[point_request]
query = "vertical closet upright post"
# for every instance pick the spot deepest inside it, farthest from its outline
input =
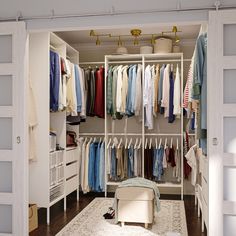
(143, 59)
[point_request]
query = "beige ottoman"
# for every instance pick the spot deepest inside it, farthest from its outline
(135, 204)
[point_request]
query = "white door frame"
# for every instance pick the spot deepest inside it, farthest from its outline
(17, 154)
(219, 160)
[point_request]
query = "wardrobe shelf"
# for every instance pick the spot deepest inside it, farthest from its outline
(167, 134)
(70, 148)
(55, 185)
(56, 200)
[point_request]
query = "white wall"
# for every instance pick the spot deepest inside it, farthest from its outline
(35, 8)
(108, 11)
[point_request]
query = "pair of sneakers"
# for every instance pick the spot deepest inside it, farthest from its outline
(110, 213)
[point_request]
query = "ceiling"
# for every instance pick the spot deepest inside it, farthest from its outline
(83, 36)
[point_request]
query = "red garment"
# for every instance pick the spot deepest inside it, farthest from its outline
(99, 93)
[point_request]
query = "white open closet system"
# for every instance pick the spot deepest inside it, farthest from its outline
(144, 60)
(113, 128)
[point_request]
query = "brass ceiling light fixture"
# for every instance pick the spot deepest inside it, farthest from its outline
(173, 31)
(136, 34)
(98, 42)
(92, 33)
(119, 43)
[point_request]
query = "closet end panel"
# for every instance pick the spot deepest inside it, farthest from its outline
(39, 78)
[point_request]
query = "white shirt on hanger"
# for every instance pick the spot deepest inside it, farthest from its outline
(71, 92)
(192, 161)
(147, 97)
(166, 90)
(177, 102)
(119, 89)
(124, 89)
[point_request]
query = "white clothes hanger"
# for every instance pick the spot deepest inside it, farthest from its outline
(146, 143)
(177, 144)
(108, 143)
(130, 142)
(140, 143)
(156, 142)
(136, 143)
(126, 143)
(113, 145)
(94, 140)
(150, 143)
(100, 140)
(120, 143)
(85, 139)
(160, 143)
(171, 142)
(165, 143)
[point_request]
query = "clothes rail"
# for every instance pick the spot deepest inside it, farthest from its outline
(123, 62)
(92, 63)
(91, 134)
(163, 134)
(52, 47)
(121, 134)
(167, 60)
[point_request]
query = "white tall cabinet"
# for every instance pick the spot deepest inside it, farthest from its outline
(53, 175)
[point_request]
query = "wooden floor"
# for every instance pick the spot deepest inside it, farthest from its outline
(59, 218)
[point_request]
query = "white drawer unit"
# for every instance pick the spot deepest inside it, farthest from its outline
(72, 184)
(56, 158)
(53, 159)
(60, 158)
(71, 155)
(60, 173)
(56, 192)
(53, 176)
(71, 170)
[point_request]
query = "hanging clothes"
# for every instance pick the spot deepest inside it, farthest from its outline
(160, 89)
(171, 116)
(158, 163)
(177, 168)
(54, 80)
(124, 89)
(166, 90)
(147, 98)
(138, 94)
(109, 98)
(99, 93)
(177, 94)
(148, 163)
(155, 74)
(92, 167)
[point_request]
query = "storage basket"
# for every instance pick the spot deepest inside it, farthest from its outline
(163, 45)
(146, 50)
(52, 141)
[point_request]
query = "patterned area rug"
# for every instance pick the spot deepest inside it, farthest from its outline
(90, 221)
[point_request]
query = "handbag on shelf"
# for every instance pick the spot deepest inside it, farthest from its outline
(71, 140)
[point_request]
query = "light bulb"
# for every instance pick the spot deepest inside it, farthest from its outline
(136, 42)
